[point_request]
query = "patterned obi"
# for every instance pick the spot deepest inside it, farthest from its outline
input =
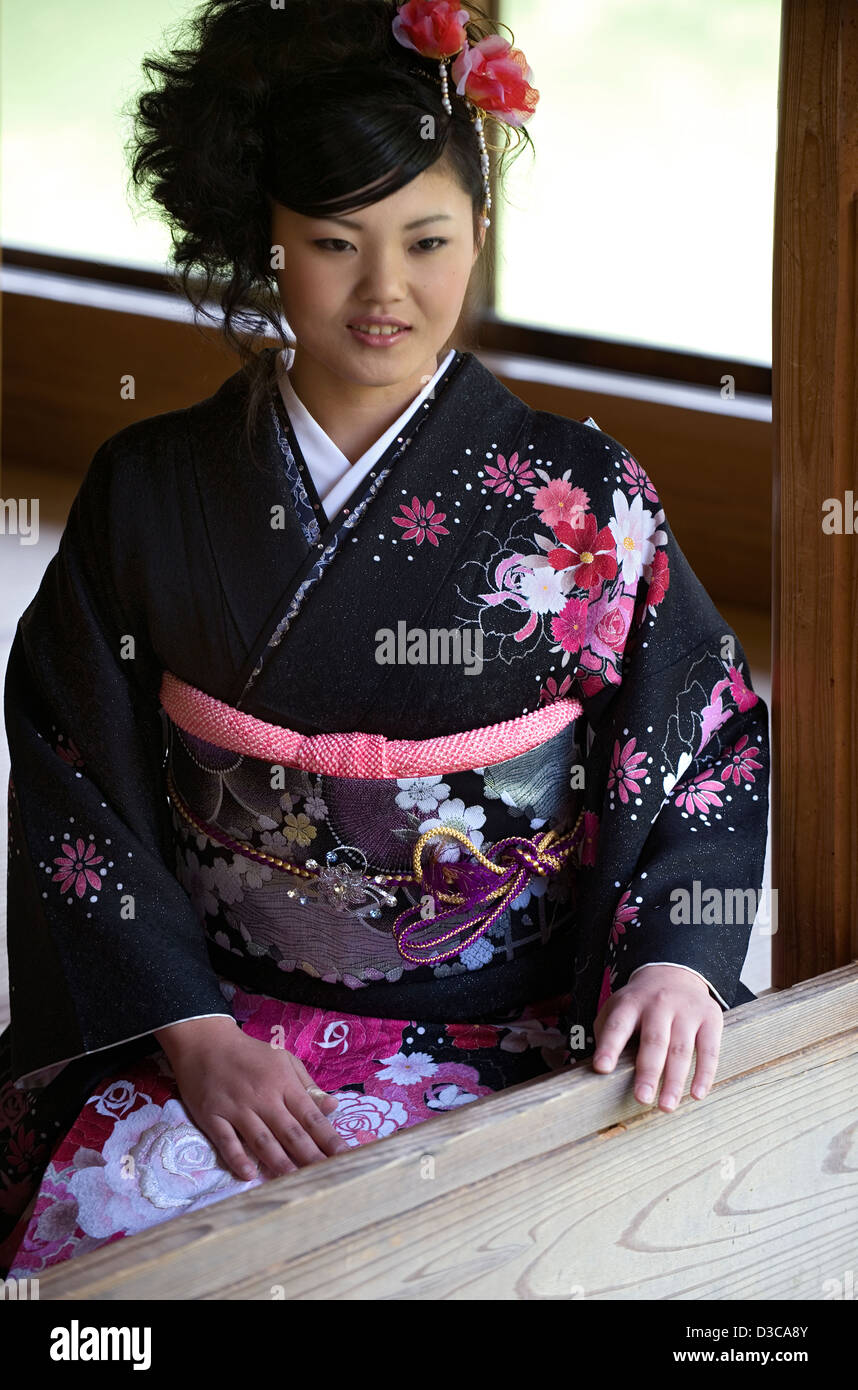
(430, 877)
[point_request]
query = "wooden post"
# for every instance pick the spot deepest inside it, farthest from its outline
(815, 569)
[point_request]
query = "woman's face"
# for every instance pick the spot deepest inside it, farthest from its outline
(339, 272)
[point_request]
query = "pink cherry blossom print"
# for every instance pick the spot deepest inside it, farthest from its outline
(560, 503)
(75, 868)
(509, 474)
(421, 522)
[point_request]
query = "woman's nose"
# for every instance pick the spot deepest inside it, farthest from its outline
(383, 279)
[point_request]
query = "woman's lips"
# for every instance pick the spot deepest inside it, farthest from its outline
(378, 339)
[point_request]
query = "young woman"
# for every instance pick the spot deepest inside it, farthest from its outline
(374, 746)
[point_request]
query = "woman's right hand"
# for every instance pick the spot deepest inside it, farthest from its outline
(252, 1100)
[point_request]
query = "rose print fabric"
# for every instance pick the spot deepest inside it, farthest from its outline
(133, 1157)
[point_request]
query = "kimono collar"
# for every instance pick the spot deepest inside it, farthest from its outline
(328, 465)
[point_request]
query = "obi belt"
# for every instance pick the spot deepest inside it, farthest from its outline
(391, 876)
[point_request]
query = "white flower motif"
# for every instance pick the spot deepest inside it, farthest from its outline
(543, 589)
(407, 1069)
(118, 1099)
(453, 813)
(633, 528)
(227, 881)
(316, 807)
(531, 1032)
(254, 874)
(275, 842)
(371, 1116)
(682, 766)
(421, 793)
(449, 1096)
(198, 881)
(478, 954)
(536, 888)
(155, 1164)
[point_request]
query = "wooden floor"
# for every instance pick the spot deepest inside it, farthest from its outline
(21, 570)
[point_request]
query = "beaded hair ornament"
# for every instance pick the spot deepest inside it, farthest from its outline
(492, 76)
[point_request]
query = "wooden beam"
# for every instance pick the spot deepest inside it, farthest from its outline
(527, 1193)
(815, 413)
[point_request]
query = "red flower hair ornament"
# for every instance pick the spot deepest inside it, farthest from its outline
(492, 76)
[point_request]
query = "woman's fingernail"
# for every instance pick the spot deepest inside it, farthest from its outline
(601, 1058)
(645, 1092)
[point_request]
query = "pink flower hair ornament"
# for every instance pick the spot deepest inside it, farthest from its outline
(492, 76)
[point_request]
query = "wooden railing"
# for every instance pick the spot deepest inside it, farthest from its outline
(562, 1187)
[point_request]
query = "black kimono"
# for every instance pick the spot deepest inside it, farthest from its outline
(259, 759)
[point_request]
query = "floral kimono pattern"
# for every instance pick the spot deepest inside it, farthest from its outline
(539, 539)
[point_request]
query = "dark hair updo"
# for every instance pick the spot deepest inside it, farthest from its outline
(307, 102)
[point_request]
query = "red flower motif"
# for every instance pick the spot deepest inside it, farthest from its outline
(570, 624)
(422, 522)
(467, 1035)
(660, 581)
(76, 868)
(590, 838)
(22, 1151)
(741, 692)
(496, 78)
(433, 28)
(741, 763)
(590, 552)
(509, 475)
(69, 754)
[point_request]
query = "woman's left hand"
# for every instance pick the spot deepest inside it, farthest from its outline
(674, 1012)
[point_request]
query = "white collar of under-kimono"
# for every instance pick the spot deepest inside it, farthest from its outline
(334, 477)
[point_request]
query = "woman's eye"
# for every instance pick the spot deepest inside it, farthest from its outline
(336, 242)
